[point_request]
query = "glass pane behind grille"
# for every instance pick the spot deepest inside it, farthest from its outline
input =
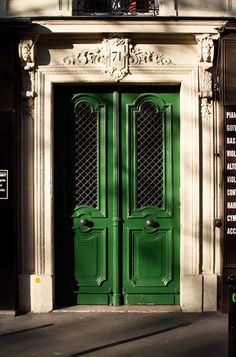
(85, 164)
(149, 156)
(115, 7)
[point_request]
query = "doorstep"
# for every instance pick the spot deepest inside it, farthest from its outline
(121, 309)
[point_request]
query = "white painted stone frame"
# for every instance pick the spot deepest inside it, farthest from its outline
(42, 282)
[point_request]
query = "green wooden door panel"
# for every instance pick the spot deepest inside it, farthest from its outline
(91, 248)
(91, 258)
(150, 195)
(151, 254)
(120, 165)
(151, 299)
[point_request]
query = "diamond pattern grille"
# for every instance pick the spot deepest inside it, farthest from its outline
(85, 167)
(149, 156)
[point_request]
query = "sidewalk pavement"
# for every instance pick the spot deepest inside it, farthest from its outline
(106, 334)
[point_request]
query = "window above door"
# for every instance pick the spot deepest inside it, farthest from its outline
(115, 7)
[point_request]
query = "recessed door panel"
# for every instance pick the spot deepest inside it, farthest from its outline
(150, 259)
(120, 202)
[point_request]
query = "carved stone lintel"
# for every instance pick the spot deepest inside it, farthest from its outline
(141, 57)
(85, 57)
(116, 55)
(27, 57)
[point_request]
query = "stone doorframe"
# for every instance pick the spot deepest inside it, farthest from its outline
(36, 280)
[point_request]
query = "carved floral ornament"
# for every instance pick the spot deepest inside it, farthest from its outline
(206, 109)
(205, 82)
(27, 57)
(115, 55)
(205, 46)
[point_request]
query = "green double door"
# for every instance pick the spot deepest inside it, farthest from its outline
(116, 196)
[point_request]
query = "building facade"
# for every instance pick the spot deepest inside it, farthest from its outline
(114, 182)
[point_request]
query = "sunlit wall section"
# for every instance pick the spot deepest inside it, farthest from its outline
(204, 8)
(38, 8)
(114, 7)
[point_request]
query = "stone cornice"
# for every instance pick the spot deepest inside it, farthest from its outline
(145, 26)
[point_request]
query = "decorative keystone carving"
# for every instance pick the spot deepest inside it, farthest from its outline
(116, 55)
(27, 57)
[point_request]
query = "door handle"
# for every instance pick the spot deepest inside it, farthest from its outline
(84, 222)
(151, 223)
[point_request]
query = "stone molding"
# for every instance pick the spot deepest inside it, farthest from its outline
(116, 54)
(187, 77)
(205, 44)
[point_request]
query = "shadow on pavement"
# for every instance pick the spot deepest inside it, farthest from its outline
(26, 330)
(127, 340)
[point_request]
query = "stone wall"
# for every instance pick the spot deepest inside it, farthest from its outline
(167, 8)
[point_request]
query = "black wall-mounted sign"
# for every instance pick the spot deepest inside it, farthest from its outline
(227, 97)
(230, 186)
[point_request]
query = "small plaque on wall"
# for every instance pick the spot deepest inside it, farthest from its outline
(3, 184)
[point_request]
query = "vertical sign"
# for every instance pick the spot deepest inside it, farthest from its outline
(230, 185)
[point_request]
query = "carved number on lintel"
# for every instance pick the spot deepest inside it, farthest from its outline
(115, 55)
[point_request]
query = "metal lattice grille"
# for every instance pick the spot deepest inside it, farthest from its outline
(85, 170)
(115, 7)
(149, 156)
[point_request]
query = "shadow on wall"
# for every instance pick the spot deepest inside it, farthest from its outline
(33, 8)
(211, 6)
